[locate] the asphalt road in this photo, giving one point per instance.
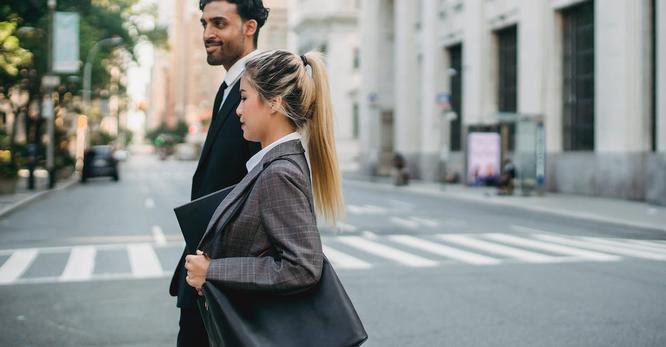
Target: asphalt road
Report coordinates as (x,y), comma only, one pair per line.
(90,266)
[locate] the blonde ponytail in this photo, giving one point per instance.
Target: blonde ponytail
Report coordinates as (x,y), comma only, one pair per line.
(326,179)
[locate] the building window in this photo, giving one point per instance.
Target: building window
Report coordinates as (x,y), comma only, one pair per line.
(357,58)
(578,78)
(355,121)
(456,78)
(508,78)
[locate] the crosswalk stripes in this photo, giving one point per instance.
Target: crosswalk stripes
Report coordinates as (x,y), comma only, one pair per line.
(521,241)
(16,265)
(593,244)
(343,260)
(453,253)
(363,252)
(80,264)
(143,261)
(516,253)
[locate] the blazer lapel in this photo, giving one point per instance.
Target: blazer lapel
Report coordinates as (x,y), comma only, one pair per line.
(218,121)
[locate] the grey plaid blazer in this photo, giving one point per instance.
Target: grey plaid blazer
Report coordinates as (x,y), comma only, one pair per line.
(277,221)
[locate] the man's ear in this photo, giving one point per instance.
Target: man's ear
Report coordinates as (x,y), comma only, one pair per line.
(250,27)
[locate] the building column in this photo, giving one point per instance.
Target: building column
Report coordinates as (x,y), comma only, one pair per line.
(433,126)
(622,104)
(475,65)
(661,75)
(407,130)
(371,38)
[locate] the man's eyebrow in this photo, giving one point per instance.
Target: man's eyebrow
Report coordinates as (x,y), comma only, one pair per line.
(215,19)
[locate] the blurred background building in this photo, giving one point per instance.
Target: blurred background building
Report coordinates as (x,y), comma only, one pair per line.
(589,71)
(331,27)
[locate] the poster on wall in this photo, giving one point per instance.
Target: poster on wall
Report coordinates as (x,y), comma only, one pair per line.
(483,158)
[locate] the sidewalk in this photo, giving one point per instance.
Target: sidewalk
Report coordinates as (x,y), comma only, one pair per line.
(615,211)
(23,196)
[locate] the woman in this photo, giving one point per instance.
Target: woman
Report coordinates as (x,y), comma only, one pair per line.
(273,244)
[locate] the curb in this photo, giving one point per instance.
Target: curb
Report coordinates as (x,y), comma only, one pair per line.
(559,213)
(13,207)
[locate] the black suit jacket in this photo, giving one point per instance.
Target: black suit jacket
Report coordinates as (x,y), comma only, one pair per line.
(222,164)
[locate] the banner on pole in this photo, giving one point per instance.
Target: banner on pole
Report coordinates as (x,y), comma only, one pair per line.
(66,42)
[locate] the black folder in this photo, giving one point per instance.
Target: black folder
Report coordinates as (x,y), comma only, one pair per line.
(194,216)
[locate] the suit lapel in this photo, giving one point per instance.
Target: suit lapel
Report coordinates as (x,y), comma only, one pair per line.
(218,121)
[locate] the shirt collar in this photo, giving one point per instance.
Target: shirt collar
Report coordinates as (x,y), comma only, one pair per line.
(256,159)
(237,69)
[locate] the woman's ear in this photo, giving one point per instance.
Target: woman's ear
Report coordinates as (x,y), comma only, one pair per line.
(275,104)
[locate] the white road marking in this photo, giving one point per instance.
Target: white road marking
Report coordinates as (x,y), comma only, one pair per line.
(16,265)
(425,221)
(623,243)
(343,260)
(648,243)
(143,261)
(601,247)
(80,264)
(550,247)
(369,235)
(149,203)
(440,249)
(528,229)
(516,253)
(158,235)
(406,223)
(387,252)
(344,227)
(366,210)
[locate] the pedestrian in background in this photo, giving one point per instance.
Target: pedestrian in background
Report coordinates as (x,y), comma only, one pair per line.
(272,245)
(230,33)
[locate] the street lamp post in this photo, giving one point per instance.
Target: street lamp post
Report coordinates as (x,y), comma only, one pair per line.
(87,81)
(87,69)
(50,120)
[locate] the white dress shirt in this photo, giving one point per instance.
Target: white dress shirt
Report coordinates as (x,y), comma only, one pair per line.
(256,159)
(235,72)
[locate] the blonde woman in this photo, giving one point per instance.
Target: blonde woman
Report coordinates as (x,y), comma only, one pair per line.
(272,244)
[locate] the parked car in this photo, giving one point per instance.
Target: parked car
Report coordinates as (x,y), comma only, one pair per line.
(99,161)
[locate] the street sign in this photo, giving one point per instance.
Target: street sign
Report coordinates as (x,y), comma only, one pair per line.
(50,81)
(66,42)
(47,108)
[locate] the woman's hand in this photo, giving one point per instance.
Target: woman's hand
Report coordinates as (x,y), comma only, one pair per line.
(197,268)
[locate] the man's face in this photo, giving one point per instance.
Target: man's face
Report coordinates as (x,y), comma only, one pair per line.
(223,33)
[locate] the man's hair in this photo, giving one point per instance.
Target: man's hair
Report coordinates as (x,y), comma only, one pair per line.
(247,10)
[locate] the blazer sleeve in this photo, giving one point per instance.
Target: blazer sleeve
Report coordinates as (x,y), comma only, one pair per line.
(290,224)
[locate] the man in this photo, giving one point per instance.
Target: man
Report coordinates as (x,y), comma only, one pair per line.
(230,33)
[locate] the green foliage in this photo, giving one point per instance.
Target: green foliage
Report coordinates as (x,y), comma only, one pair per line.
(12,55)
(166,136)
(8,167)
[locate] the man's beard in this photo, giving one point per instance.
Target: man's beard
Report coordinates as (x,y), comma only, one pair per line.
(227,54)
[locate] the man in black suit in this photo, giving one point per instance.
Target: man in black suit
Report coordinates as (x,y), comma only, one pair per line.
(230,32)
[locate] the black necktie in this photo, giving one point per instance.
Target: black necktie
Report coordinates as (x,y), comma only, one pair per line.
(219,98)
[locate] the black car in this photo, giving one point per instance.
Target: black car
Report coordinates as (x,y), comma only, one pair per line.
(98,161)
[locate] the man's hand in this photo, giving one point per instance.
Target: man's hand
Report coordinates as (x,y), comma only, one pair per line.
(197,268)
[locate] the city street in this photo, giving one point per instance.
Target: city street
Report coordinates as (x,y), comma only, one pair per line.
(90,266)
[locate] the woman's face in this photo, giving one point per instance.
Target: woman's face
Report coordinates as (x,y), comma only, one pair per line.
(255,115)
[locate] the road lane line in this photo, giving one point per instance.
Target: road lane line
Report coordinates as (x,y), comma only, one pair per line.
(16,265)
(528,229)
(387,252)
(601,247)
(440,249)
(143,261)
(515,253)
(149,203)
(158,235)
(80,264)
(521,241)
(344,260)
(409,224)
